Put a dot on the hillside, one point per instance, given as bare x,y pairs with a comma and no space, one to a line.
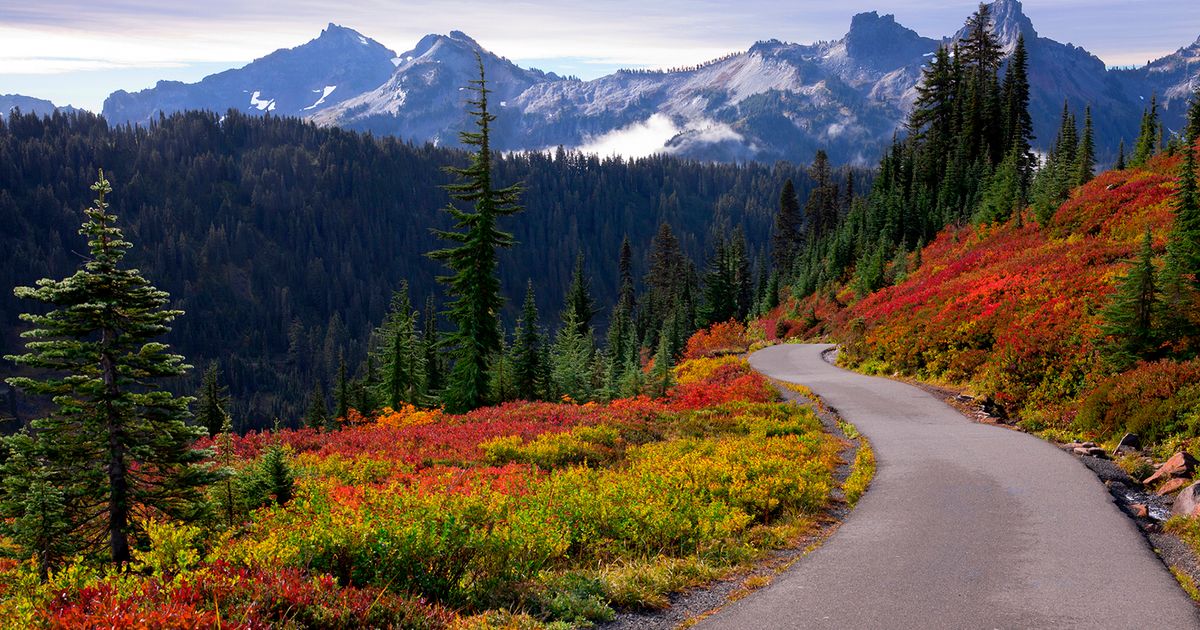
1012,312
284,241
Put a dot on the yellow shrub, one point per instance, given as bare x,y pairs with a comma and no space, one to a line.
407,416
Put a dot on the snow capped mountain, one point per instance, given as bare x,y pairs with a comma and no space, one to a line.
300,81
424,96
777,100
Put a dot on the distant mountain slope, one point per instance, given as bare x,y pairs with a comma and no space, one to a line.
777,100
29,105
300,81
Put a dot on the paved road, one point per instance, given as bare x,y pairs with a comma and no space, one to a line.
964,526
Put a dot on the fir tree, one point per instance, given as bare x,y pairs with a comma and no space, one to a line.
579,298
660,378
1128,320
318,413
571,360
789,225
472,257
1192,131
402,354
1148,138
113,421
1018,124
275,478
1085,157
1120,163
527,351
430,345
212,400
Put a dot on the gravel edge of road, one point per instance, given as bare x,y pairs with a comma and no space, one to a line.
689,607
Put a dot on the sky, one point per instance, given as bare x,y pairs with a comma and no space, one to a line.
78,51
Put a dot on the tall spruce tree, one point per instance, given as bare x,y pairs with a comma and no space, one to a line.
318,411
402,353
1018,124
527,350
116,444
474,285
1148,135
1085,157
1129,319
571,359
579,298
789,228
212,400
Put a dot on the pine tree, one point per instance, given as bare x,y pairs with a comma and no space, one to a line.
789,225
1148,138
571,360
1018,124
275,477
472,257
212,400
579,299
402,354
113,421
1085,157
33,511
430,342
1120,163
1183,246
318,413
1128,320
527,351
660,379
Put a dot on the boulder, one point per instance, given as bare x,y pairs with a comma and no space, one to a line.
1130,443
1172,485
1180,465
1093,451
1139,510
1188,501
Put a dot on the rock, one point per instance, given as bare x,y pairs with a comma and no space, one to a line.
1091,451
1180,465
1131,440
1171,486
1188,501
1139,510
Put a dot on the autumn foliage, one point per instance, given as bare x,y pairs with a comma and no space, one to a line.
418,518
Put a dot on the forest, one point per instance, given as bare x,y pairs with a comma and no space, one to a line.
284,242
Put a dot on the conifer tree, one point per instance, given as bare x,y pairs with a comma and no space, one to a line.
318,412
474,286
1148,138
1120,163
112,423
1129,319
579,299
1183,247
212,400
430,346
1085,157
660,378
1018,124
402,354
527,351
275,479
785,239
571,360
501,374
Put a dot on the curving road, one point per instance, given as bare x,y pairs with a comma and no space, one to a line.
964,526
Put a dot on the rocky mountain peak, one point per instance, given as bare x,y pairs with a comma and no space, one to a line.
880,38
1009,21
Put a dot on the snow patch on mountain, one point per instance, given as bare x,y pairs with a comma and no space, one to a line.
324,95
262,105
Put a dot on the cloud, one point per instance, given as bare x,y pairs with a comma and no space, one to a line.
641,139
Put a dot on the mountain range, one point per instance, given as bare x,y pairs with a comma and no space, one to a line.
775,101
